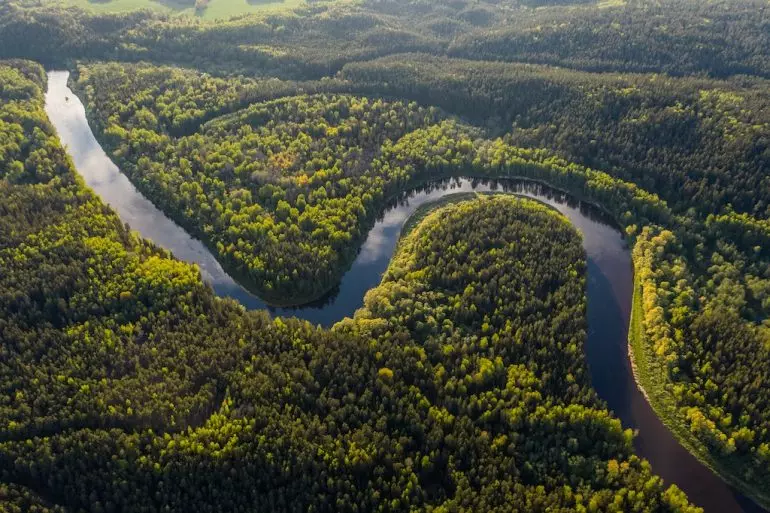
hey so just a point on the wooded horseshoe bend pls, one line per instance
(384, 256)
(610, 283)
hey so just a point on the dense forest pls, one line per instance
(282, 189)
(278, 139)
(128, 386)
(719, 38)
(678, 137)
(266, 169)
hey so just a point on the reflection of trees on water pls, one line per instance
(520, 186)
(319, 304)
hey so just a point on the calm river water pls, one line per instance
(610, 286)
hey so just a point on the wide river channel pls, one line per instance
(610, 286)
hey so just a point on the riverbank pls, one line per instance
(423, 211)
(651, 380)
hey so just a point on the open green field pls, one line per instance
(216, 8)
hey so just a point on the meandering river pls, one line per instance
(610, 277)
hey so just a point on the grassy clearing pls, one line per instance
(651, 375)
(217, 9)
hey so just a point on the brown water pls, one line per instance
(610, 277)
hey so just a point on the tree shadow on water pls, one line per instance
(607, 344)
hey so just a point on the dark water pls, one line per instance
(610, 285)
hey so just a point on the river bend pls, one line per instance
(609, 284)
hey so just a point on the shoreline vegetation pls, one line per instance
(638, 354)
(655, 392)
(425, 210)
